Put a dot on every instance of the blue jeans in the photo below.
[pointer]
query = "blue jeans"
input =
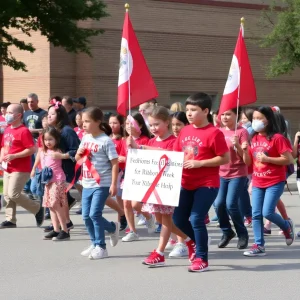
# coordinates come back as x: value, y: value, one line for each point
x: 264, y: 201
x: 93, y: 201
x: 227, y: 203
x: 27, y: 187
x: 244, y: 202
x: 189, y: 216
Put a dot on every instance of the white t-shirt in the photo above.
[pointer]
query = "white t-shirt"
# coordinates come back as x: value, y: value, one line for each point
x: 103, y: 151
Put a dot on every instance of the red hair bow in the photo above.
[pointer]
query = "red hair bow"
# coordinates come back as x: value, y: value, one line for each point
x: 56, y: 103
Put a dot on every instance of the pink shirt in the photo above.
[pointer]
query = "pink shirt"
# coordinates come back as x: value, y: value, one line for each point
x: 236, y: 167
x: 54, y: 164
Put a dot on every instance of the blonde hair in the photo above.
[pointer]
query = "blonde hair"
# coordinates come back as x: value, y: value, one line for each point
x: 176, y: 107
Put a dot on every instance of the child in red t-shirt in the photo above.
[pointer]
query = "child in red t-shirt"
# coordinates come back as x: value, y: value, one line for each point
x: 270, y: 154
x: 116, y: 123
x: 159, y: 122
x: 79, y: 129
x: 205, y: 150
x: 233, y: 177
x: 137, y: 129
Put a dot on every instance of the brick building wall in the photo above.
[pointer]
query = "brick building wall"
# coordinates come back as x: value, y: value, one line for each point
x: 188, y: 45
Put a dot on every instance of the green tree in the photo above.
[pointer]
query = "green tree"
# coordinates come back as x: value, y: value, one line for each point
x: 283, y: 27
x: 55, y: 19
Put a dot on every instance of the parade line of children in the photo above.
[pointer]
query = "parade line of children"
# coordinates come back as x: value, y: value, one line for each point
x: 222, y: 166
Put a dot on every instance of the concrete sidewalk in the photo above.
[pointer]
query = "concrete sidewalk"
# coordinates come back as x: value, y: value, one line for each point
x: 33, y: 269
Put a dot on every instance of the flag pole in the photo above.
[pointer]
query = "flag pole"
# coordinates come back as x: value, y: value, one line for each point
x: 238, y: 98
x: 128, y: 67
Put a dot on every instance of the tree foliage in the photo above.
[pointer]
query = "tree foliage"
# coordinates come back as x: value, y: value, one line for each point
x: 283, y: 26
x: 55, y: 19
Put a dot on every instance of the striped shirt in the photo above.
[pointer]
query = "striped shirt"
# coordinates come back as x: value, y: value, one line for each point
x: 103, y: 151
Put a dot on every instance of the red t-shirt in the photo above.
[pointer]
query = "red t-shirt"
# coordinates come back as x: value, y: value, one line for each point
x: 80, y: 132
x: 200, y: 144
x: 236, y: 167
x: 167, y: 143
x: 266, y: 174
x: 119, y: 145
x: 141, y: 140
x: 16, y: 140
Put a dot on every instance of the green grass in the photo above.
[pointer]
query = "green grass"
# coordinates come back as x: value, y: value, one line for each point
x: 1, y: 186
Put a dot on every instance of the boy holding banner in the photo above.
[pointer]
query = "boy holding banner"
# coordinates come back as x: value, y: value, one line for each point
x: 205, y: 150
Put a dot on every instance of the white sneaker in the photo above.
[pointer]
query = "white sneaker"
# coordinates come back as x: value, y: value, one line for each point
x: 87, y: 251
x: 171, y: 244
x: 130, y: 237
x: 151, y: 225
x: 98, y: 253
x: 180, y: 250
x: 114, y: 237
x: 142, y: 221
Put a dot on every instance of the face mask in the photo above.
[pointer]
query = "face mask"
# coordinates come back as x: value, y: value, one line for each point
x: 247, y: 124
x: 258, y: 125
x: 9, y: 118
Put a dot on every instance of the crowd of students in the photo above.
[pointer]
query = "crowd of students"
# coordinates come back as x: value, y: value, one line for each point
x: 227, y: 158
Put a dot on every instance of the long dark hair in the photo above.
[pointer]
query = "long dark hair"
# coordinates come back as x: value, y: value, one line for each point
x: 180, y: 116
x: 281, y: 124
x: 121, y: 121
x: 271, y: 128
x: 55, y: 134
x: 140, y: 120
x: 248, y: 112
x: 96, y: 114
x: 62, y: 118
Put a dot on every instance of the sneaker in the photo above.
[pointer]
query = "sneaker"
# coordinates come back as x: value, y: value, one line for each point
x: 267, y: 231
x: 79, y: 211
x: 215, y: 219
x: 198, y: 265
x: 207, y: 220
x: 141, y: 221
x: 191, y: 250
x: 87, y: 251
x: 71, y: 202
x: 49, y: 228
x: 158, y: 229
x: 127, y: 230
x: 243, y: 242
x: 40, y: 216
x: 151, y: 225
x: 248, y: 222
x: 298, y: 234
x: 180, y: 250
x: 70, y: 225
x: 114, y: 237
x: 226, y: 238
x: 255, y: 250
x: 130, y: 237
x: 123, y: 223
x: 98, y: 253
x: 51, y: 235
x: 62, y: 236
x: 7, y: 224
x: 290, y: 233
x: 154, y: 260
x: 171, y: 244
